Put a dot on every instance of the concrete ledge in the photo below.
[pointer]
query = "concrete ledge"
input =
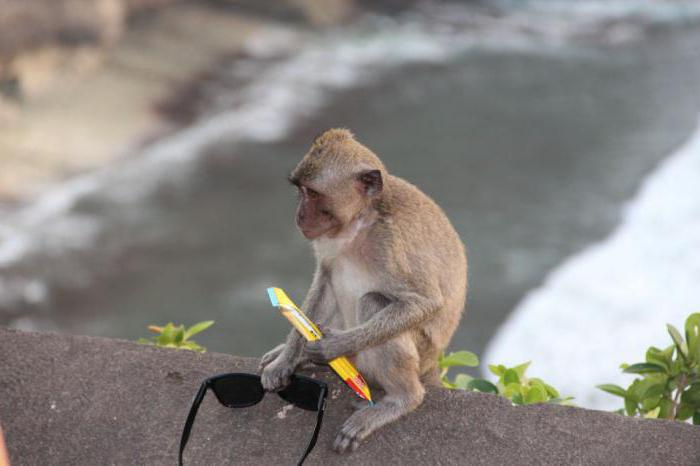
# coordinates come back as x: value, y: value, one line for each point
x: 74, y: 400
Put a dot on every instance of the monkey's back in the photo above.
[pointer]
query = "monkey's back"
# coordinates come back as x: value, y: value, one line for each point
x: 430, y: 253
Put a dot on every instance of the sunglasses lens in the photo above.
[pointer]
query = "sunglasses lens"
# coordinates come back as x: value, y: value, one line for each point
x: 303, y: 393
x: 239, y: 390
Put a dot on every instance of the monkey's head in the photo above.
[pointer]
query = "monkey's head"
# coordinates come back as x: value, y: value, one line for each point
x: 338, y: 180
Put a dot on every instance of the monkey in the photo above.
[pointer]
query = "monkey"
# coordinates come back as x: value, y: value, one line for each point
x: 390, y: 282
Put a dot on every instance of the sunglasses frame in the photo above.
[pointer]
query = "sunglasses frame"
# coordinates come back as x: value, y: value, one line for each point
x: 209, y: 384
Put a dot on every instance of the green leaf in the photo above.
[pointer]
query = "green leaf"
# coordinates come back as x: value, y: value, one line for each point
x: 565, y: 401
x: 613, y: 389
x: 692, y: 336
x: 652, y: 396
x: 536, y: 394
x: 551, y: 391
x: 653, y: 414
x: 513, y: 389
x: 166, y: 336
x: 481, y: 385
x: 462, y: 381
x: 685, y: 411
x: 447, y: 384
x: 677, y: 366
x: 192, y: 346
x: 630, y: 407
x: 638, y: 388
x: 198, y: 327
x: 657, y: 356
x: 537, y: 382
x: 498, y: 370
x: 459, y: 358
x: 511, y: 376
x: 644, y: 368
x: 179, y: 334
x: 691, y: 396
x: 521, y: 368
x: 666, y: 408
x: 678, y: 340
x: 696, y: 418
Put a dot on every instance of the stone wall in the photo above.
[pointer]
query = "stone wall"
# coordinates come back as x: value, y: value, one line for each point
x: 75, y: 400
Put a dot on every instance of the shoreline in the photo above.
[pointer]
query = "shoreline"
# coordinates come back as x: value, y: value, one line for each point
x: 54, y: 131
x: 51, y: 132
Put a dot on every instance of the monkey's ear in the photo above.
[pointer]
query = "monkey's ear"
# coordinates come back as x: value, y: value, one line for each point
x: 371, y: 181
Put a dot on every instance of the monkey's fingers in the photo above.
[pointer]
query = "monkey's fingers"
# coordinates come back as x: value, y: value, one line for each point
x: 314, y: 351
x: 270, y: 356
x: 346, y: 441
x: 276, y: 376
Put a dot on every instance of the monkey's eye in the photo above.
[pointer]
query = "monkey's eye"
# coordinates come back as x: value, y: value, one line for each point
x: 310, y: 193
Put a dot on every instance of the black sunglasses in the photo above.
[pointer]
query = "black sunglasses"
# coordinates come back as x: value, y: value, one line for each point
x: 238, y: 390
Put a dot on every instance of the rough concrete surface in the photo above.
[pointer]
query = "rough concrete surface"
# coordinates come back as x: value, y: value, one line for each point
x: 74, y: 400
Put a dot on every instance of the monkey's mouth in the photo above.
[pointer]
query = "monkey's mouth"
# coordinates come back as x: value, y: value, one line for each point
x: 310, y: 234
x: 315, y: 233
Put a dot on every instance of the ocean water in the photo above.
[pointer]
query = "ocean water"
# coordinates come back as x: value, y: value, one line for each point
x: 619, y: 293
x: 532, y: 127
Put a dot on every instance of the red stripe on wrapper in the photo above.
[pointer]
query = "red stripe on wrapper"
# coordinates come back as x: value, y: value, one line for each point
x: 357, y: 383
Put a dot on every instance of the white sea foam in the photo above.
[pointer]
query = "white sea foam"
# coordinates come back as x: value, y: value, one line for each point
x: 607, y: 304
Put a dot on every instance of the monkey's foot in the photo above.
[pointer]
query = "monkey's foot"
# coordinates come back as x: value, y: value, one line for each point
x: 355, y: 429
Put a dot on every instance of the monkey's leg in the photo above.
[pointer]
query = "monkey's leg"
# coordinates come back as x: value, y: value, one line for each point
x: 430, y: 372
x: 394, y: 366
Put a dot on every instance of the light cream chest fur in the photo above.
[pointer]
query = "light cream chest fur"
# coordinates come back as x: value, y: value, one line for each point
x: 350, y: 281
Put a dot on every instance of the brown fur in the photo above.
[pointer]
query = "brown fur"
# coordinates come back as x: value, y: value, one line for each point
x: 390, y: 281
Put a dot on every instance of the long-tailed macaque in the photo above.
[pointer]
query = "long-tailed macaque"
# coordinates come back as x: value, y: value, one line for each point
x: 390, y: 281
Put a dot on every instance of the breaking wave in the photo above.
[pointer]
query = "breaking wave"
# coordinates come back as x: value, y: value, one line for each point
x: 607, y: 304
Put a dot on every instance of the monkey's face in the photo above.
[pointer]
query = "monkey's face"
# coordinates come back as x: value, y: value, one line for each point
x: 337, y: 179
x: 327, y: 206
x: 315, y: 216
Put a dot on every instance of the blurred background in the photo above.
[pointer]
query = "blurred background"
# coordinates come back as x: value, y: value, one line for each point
x: 144, y: 146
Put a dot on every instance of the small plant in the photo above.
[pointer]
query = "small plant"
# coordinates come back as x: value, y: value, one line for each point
x: 177, y: 336
x: 522, y: 390
x: 512, y: 382
x: 457, y: 359
x: 669, y: 387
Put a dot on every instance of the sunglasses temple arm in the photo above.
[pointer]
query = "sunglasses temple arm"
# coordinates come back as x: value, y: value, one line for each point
x: 317, y: 429
x: 190, y: 418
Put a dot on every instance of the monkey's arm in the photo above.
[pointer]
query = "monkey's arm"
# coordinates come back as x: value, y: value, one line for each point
x: 276, y: 374
x: 382, y: 318
x: 316, y: 305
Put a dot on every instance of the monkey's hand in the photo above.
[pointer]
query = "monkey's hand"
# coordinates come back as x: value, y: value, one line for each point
x: 276, y: 375
x: 270, y: 356
x: 335, y: 343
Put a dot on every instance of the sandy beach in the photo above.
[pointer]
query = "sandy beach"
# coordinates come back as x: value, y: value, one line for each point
x: 83, y: 107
